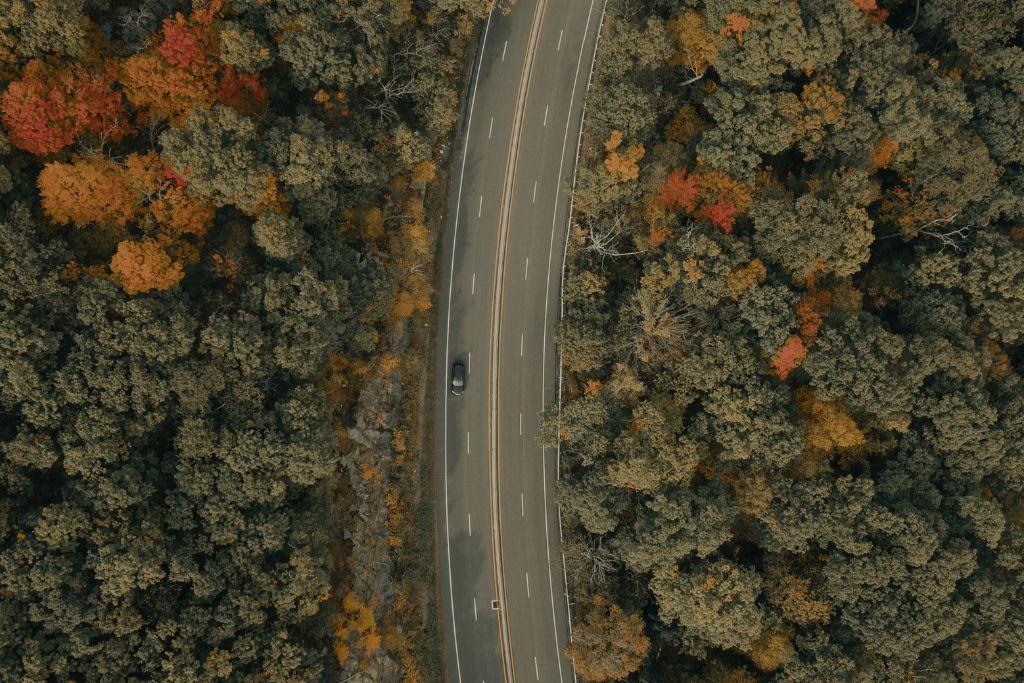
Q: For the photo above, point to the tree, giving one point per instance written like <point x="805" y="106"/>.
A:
<point x="812" y="236"/>
<point x="48" y="108"/>
<point x="89" y="190"/>
<point x="45" y="27"/>
<point x="721" y="214"/>
<point x="243" y="91"/>
<point x="219" y="150"/>
<point x="789" y="356"/>
<point x="866" y="366"/>
<point x="608" y="644"/>
<point x="141" y="266"/>
<point x="622" y="165"/>
<point x="716" y="602"/>
<point x="695" y="45"/>
<point x="676" y="523"/>
<point x="279" y="237"/>
<point x="679" y="192"/>
<point x="790" y="397"/>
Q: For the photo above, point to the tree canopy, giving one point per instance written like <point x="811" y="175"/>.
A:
<point x="794" y="314"/>
<point x="189" y="311"/>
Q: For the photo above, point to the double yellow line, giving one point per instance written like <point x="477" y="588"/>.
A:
<point x="511" y="167"/>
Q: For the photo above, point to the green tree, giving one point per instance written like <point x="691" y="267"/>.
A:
<point x="716" y="602"/>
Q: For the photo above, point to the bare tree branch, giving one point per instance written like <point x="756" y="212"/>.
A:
<point x="603" y="236"/>
<point x="941" y="229"/>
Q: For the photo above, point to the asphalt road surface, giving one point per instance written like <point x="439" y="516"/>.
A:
<point x="500" y="566"/>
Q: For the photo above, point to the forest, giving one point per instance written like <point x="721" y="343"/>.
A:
<point x="792" y="431"/>
<point x="212" y="238"/>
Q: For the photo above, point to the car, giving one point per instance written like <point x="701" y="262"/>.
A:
<point x="458" y="378"/>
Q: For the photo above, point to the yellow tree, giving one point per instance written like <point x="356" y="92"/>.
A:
<point x="89" y="190"/>
<point x="608" y="644"/>
<point x="143" y="265"/>
<point x="622" y="164"/>
<point x="695" y="45"/>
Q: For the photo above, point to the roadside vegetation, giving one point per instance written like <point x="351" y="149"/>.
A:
<point x="212" y="242"/>
<point x="793" y="412"/>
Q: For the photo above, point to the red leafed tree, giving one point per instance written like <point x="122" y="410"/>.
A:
<point x="810" y="314"/>
<point x="789" y="356"/>
<point x="169" y="174"/>
<point x="47" y="108"/>
<point x="871" y="8"/>
<point x="184" y="44"/>
<point x="244" y="92"/>
<point x="679" y="191"/>
<point x="721" y="214"/>
<point x="178" y="76"/>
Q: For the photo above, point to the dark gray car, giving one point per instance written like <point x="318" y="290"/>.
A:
<point x="458" y="377"/>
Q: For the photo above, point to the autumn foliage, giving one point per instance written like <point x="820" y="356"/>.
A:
<point x="828" y="425"/>
<point x="178" y="76"/>
<point x="89" y="190"/>
<point x="721" y="214"/>
<point x="735" y="25"/>
<point x="143" y="265"/>
<point x="244" y="92"/>
<point x="355" y="625"/>
<point x="622" y="162"/>
<point x="706" y="194"/>
<point x="871" y="8"/>
<point x="608" y="644"/>
<point x="47" y="108"/>
<point x="679" y="192"/>
<point x="789" y="356"/>
<point x="695" y="46"/>
<point x="882" y="151"/>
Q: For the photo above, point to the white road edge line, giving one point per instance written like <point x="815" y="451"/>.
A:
<point x="547" y="286"/>
<point x="447" y="337"/>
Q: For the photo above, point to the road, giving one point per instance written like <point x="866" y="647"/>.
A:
<point x="500" y="566"/>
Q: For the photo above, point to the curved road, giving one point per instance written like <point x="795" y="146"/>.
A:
<point x="500" y="566"/>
